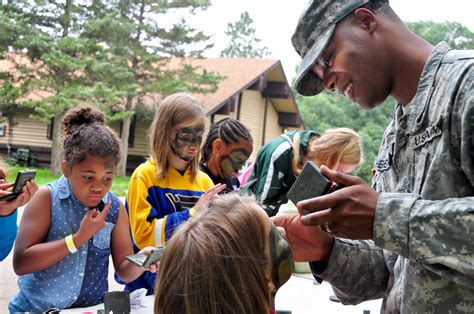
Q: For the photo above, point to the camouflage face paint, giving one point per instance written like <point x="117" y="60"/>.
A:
<point x="109" y="166"/>
<point x="281" y="258"/>
<point x="186" y="142"/>
<point x="232" y="163"/>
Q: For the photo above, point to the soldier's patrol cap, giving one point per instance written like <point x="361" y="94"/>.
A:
<point x="314" y="31"/>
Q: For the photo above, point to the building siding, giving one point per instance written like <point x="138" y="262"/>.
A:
<point x="273" y="129"/>
<point x="28" y="132"/>
<point x="252" y="115"/>
<point x="140" y="143"/>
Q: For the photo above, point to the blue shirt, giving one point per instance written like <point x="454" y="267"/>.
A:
<point x="79" y="279"/>
<point x="8" y="229"/>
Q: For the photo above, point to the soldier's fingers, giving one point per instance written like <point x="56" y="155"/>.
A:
<point x="317" y="218"/>
<point x="318" y="203"/>
<point x="339" y="177"/>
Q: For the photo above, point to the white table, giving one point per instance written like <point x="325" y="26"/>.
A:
<point x="146" y="309"/>
<point x="298" y="295"/>
<point x="301" y="296"/>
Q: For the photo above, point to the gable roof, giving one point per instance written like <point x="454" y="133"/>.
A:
<point x="240" y="74"/>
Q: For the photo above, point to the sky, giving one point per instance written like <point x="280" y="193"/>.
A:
<point x="275" y="21"/>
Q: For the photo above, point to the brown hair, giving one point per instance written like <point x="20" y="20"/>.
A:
<point x="3" y="170"/>
<point x="216" y="262"/>
<point x="173" y="110"/>
<point x="86" y="134"/>
<point x="335" y="146"/>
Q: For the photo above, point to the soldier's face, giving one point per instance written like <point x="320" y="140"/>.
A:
<point x="353" y="65"/>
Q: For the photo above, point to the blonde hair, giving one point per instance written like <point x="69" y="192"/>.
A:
<point x="335" y="146"/>
<point x="217" y="262"/>
<point x="173" y="110"/>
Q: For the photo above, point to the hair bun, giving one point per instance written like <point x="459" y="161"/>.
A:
<point x="81" y="116"/>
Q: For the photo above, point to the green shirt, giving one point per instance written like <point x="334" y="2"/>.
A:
<point x="273" y="171"/>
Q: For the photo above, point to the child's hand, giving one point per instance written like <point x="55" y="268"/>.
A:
<point x="92" y="223"/>
<point x="27" y="192"/>
<point x="4" y="186"/>
<point x="153" y="267"/>
<point x="206" y="197"/>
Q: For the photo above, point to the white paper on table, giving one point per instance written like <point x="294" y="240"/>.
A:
<point x="137" y="299"/>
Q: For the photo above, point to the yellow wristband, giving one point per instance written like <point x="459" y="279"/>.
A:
<point x="70" y="244"/>
<point x="192" y="212"/>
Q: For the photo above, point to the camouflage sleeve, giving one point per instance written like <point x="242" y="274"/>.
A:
<point x="433" y="233"/>
<point x="464" y="122"/>
<point x="358" y="271"/>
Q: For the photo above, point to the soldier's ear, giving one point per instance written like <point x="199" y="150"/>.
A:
<point x="365" y="19"/>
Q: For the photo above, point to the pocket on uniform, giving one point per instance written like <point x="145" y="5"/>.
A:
<point x="421" y="171"/>
<point x="382" y="181"/>
<point x="101" y="239"/>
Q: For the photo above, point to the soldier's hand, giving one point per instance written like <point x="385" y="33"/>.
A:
<point x="346" y="213"/>
<point x="307" y="244"/>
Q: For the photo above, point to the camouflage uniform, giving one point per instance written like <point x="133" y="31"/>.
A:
<point x="422" y="256"/>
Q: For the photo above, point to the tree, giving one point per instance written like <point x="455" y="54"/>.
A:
<point x="109" y="54"/>
<point x="455" y="34"/>
<point x="12" y="87"/>
<point x="243" y="43"/>
<point x="9" y="95"/>
<point x="137" y="51"/>
<point x="54" y="61"/>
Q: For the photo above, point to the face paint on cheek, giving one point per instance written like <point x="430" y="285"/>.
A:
<point x="191" y="135"/>
<point x="186" y="142"/>
<point x="180" y="148"/>
<point x="226" y="166"/>
<point x="281" y="258"/>
<point x="233" y="162"/>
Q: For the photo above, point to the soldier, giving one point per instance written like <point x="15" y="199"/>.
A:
<point x="411" y="232"/>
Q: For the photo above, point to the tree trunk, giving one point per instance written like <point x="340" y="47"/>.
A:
<point x="10" y="135"/>
<point x="122" y="166"/>
<point x="56" y="146"/>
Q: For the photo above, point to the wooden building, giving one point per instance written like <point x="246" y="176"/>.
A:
<point x="253" y="91"/>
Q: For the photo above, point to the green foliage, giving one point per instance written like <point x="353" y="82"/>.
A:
<point x="332" y="111"/>
<point x="42" y="177"/>
<point x="243" y="43"/>
<point x="23" y="157"/>
<point x="181" y="40"/>
<point x="455" y="34"/>
<point x="9" y="93"/>
<point x="136" y="49"/>
<point x="105" y="53"/>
